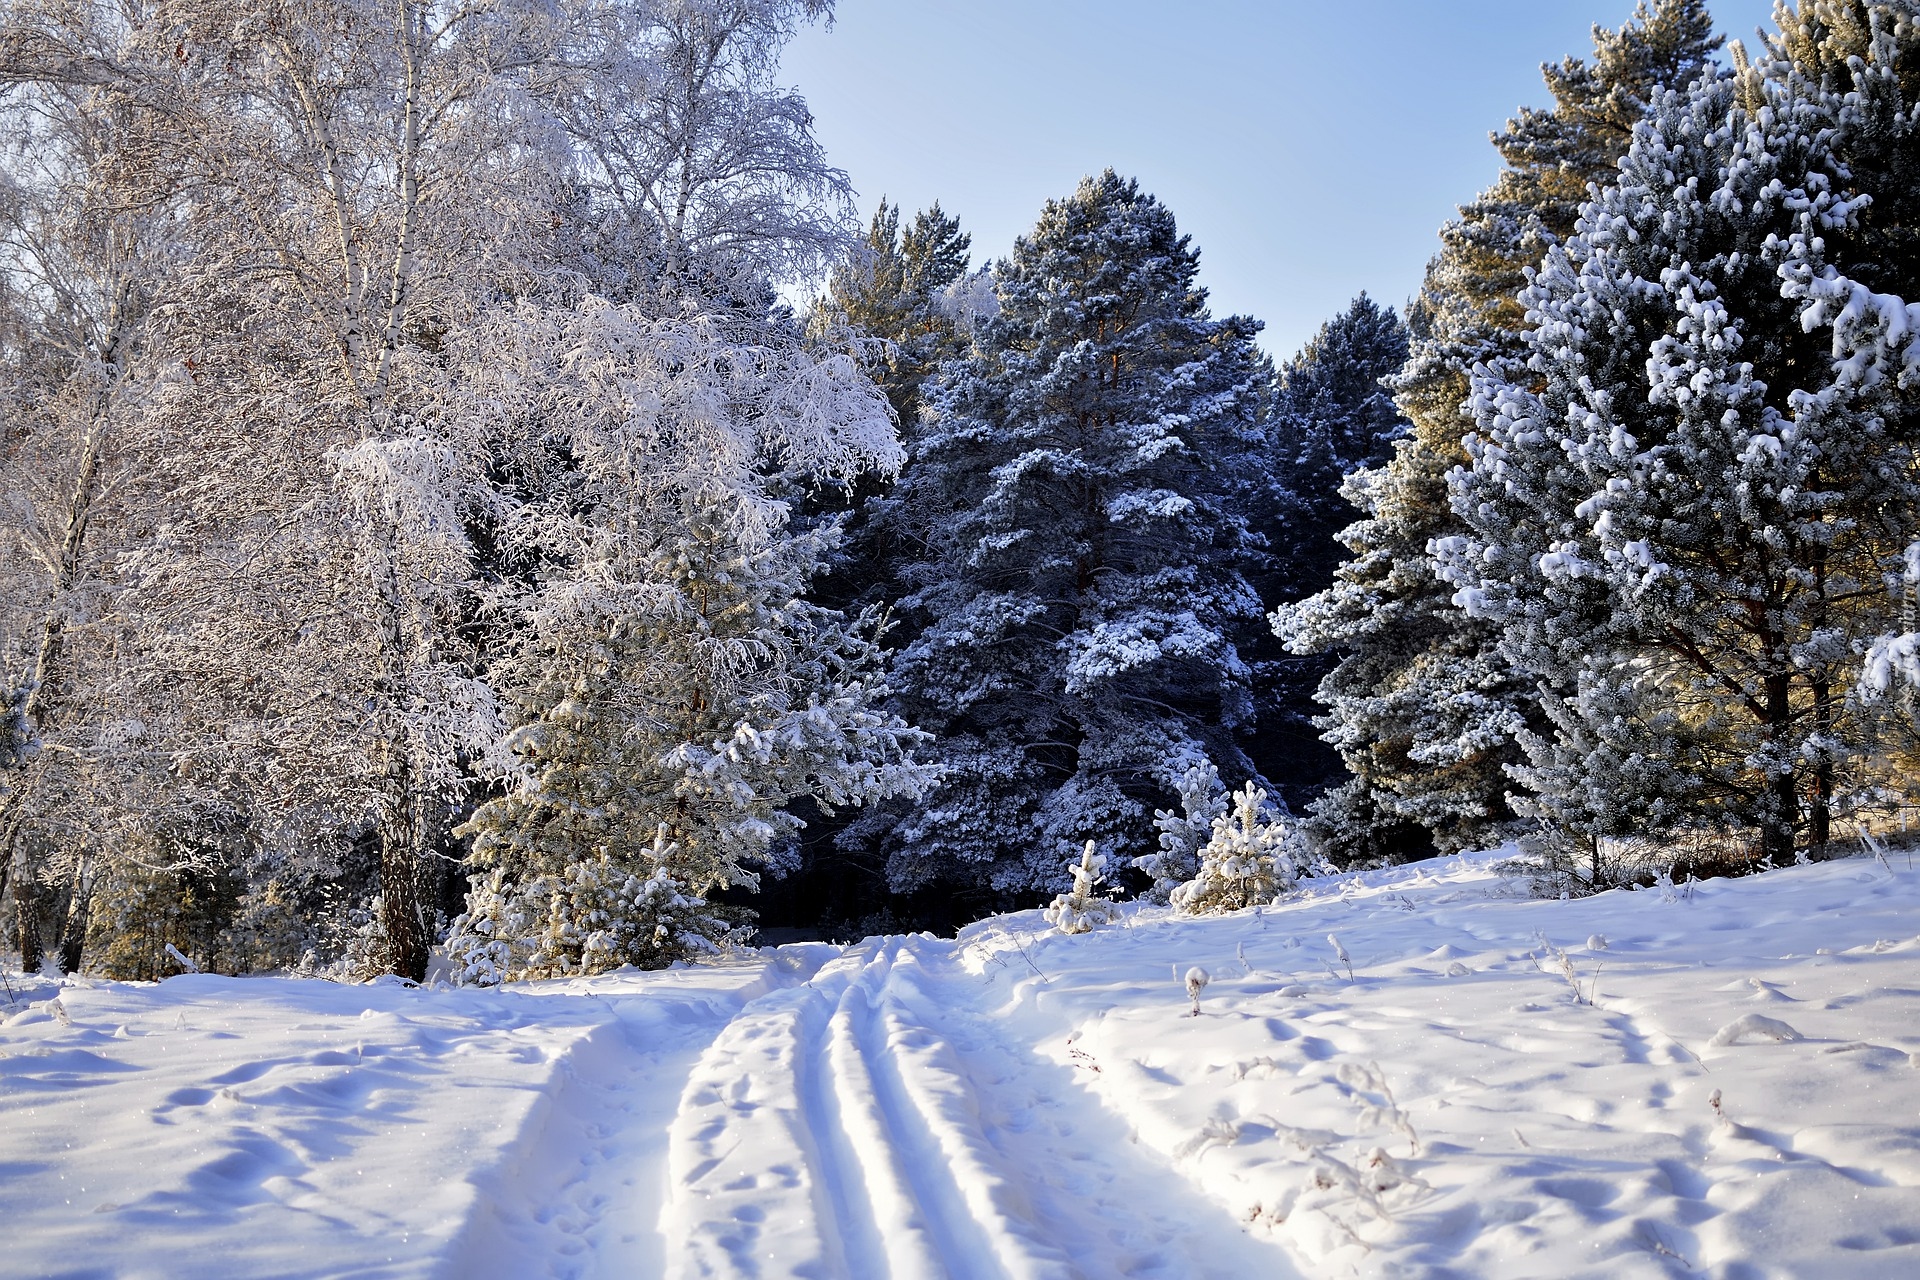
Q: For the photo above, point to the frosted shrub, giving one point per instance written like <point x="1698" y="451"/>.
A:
<point x="1252" y="857"/>
<point x="1078" y="910"/>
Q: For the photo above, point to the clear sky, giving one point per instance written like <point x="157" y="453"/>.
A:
<point x="1311" y="148"/>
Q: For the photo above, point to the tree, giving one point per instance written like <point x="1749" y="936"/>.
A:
<point x="1330" y="417"/>
<point x="1249" y="859"/>
<point x="1074" y="616"/>
<point x="1079" y="910"/>
<point x="901" y="290"/>
<point x="369" y="174"/>
<point x="1422" y="706"/>
<point x="1184" y="833"/>
<point x="86" y="244"/>
<point x="900" y="306"/>
<point x="272" y="663"/>
<point x="699" y="177"/>
<point x="675" y="693"/>
<point x="1684" y="517"/>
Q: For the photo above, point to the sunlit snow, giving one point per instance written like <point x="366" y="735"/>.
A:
<point x="1719" y="1079"/>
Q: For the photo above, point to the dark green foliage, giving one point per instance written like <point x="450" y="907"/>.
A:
<point x="1074" y="621"/>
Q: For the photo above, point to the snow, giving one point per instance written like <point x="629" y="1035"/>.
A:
<point x="1722" y="1079"/>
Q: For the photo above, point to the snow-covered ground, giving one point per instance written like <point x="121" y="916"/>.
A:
<point x="1719" y="1082"/>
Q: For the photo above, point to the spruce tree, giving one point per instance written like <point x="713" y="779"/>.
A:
<point x="1682" y="513"/>
<point x="1422" y="706"/>
<point x="1074" y="619"/>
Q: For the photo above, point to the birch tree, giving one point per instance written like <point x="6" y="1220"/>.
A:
<point x="87" y="240"/>
<point x="368" y="176"/>
<point x="702" y="176"/>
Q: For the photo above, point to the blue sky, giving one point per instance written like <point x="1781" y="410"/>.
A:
<point x="1310" y="148"/>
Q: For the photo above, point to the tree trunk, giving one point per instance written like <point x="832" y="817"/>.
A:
<point x="402" y="915"/>
<point x="1820" y="809"/>
<point x="26" y="901"/>
<point x="1782" y="803"/>
<point x="73" y="931"/>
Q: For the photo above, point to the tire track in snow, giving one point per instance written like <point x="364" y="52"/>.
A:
<point x="801" y="1150"/>
<point x="757" y="1180"/>
<point x="872" y="1125"/>
<point x="972" y="1215"/>
<point x="566" y="1199"/>
<point x="1067" y="1177"/>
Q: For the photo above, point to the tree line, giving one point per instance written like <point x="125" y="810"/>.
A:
<point x="427" y="524"/>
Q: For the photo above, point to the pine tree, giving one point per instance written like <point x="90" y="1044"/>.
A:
<point x="1078" y="910"/>
<point x="1330" y="416"/>
<point x="902" y="307"/>
<point x="1075" y="613"/>
<point x="1251" y="857"/>
<point x="1422" y="706"/>
<point x="1183" y="833"/>
<point x="574" y="876"/>
<point x="1684" y="512"/>
<point x="906" y="291"/>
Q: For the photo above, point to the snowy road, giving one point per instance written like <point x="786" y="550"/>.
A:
<point x="1718" y="1083"/>
<point x="872" y="1123"/>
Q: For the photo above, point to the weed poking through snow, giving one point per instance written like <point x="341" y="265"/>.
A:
<point x="1197" y="981"/>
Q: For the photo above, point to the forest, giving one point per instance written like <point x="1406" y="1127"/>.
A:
<point x="471" y="485"/>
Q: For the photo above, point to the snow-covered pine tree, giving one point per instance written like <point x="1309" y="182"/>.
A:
<point x="1422" y="706"/>
<point x="1251" y="857"/>
<point x="901" y="306"/>
<point x="1080" y="909"/>
<point x="1330" y="416"/>
<point x="1823" y="41"/>
<point x="897" y="292"/>
<point x="569" y="879"/>
<point x="666" y="666"/>
<point x="1183" y="833"/>
<point x="1076" y="609"/>
<point x="1683" y="513"/>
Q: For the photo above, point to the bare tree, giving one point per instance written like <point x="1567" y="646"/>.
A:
<point x="697" y="164"/>
<point x="370" y="176"/>
<point x="87" y="239"/>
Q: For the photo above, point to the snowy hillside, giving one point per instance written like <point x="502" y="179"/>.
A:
<point x="1409" y="1072"/>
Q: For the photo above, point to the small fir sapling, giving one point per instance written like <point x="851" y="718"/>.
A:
<point x="1078" y="910"/>
<point x="1341" y="951"/>
<point x="1197" y="980"/>
<point x="1183" y="834"/>
<point x="1250" y="859"/>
